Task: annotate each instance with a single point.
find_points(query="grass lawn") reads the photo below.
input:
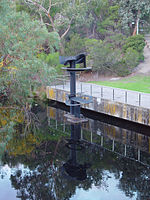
(136, 83)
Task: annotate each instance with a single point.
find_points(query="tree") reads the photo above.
(20, 40)
(75, 45)
(60, 15)
(106, 15)
(21, 71)
(102, 57)
(131, 12)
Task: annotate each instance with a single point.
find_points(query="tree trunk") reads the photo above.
(135, 30)
(137, 24)
(61, 49)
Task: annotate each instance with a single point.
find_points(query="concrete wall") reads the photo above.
(121, 110)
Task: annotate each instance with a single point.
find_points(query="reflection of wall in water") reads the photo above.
(100, 133)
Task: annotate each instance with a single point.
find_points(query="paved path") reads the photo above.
(144, 67)
(114, 94)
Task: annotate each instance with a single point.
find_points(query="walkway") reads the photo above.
(144, 67)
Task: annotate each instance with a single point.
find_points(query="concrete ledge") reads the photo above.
(117, 109)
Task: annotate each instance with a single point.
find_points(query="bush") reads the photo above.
(52, 60)
(141, 57)
(121, 69)
(131, 58)
(136, 42)
(102, 56)
(75, 45)
(129, 61)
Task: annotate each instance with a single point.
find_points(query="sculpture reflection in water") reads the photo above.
(72, 167)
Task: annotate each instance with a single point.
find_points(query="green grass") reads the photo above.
(136, 83)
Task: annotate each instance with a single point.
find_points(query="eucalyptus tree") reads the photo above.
(21, 39)
(60, 16)
(132, 11)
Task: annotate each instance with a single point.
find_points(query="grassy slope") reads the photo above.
(136, 83)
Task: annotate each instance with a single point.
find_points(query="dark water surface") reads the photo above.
(92, 161)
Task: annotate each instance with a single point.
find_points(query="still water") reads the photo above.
(64, 161)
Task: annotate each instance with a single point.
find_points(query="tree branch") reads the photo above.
(50, 5)
(51, 20)
(41, 18)
(47, 24)
(63, 35)
(35, 3)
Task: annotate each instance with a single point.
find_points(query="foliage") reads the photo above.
(105, 18)
(115, 54)
(132, 10)
(136, 42)
(8, 119)
(20, 40)
(102, 56)
(10, 114)
(133, 49)
(23, 37)
(128, 62)
(110, 20)
(131, 58)
(79, 21)
(61, 15)
(52, 59)
(116, 40)
(74, 45)
(21, 146)
(122, 69)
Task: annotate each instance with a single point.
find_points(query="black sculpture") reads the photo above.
(75, 101)
(81, 58)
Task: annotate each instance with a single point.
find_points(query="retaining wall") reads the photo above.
(117, 109)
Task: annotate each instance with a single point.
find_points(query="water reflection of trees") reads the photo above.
(43, 177)
(135, 178)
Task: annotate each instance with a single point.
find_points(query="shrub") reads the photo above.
(131, 58)
(75, 45)
(141, 57)
(128, 62)
(52, 59)
(136, 42)
(102, 56)
(121, 69)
